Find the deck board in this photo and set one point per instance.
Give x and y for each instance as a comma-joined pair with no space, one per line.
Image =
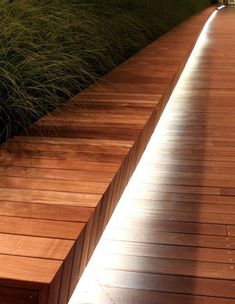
61,178
172,239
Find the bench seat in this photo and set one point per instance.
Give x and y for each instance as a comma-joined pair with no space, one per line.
62,177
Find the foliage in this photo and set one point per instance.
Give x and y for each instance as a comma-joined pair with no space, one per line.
51,50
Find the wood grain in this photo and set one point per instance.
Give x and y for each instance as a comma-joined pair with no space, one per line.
61,178
172,238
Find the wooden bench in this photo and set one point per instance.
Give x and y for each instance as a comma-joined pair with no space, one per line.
61,179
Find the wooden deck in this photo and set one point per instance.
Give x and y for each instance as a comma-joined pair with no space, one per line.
172,239
60,180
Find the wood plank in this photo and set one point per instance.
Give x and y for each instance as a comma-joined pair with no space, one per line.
38,247
152,205
83,156
100,146
40,228
77,266
195,217
172,238
204,190
54,288
24,269
54,206
161,225
164,251
30,162
192,240
166,283
44,211
109,295
71,175
66,277
53,185
167,266
182,197
50,197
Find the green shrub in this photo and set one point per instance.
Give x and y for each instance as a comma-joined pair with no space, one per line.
50,50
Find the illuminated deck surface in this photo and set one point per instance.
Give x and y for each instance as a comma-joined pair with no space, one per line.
172,239
61,180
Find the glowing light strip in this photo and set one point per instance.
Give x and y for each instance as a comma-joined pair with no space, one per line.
88,286
220,7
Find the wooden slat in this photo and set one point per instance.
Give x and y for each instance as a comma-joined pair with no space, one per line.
172,237
161,225
167,283
50,197
38,247
192,240
31,270
61,178
40,228
138,296
167,266
53,185
165,251
44,211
